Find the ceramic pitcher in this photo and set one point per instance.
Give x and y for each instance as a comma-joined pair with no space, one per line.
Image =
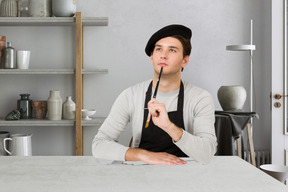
20,145
3,135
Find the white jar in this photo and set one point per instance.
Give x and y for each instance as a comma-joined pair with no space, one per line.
54,106
64,8
39,8
69,108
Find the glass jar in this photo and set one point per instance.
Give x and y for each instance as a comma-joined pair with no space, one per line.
24,105
24,8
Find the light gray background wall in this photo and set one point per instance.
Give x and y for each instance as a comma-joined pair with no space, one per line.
120,48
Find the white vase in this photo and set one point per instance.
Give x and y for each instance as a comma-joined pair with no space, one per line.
69,108
54,106
8,8
231,97
64,8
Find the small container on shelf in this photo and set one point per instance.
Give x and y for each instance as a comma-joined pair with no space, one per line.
39,109
69,108
54,105
24,105
2,47
39,8
23,8
8,8
64,8
9,57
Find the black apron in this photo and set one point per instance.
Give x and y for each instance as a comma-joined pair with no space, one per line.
154,138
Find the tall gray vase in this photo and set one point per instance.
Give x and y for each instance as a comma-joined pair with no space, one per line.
8,8
232,97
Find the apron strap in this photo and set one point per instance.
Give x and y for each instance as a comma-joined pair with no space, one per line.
180,104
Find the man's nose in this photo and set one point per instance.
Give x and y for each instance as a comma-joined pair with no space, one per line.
164,54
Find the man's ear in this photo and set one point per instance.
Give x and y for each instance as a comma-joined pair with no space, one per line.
185,61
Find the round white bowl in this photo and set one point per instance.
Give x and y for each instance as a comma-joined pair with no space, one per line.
86,113
279,172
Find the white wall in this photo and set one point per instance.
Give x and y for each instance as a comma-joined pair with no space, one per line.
120,48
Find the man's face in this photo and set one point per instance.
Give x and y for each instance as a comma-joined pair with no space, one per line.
168,52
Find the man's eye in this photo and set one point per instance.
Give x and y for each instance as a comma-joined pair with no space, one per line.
157,49
172,50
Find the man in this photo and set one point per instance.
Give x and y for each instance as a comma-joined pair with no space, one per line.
182,115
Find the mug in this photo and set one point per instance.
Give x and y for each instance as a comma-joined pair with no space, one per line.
3,135
22,59
20,145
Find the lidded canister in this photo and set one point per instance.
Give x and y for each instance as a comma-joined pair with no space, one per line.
9,57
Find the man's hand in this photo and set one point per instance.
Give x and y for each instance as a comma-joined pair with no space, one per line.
159,114
160,158
161,119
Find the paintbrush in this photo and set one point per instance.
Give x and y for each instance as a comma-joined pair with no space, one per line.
154,96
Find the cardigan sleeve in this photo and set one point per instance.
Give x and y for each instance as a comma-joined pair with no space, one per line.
105,144
199,141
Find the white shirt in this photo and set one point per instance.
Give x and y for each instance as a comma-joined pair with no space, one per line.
198,140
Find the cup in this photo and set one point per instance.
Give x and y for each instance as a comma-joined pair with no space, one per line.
3,135
20,145
23,59
39,109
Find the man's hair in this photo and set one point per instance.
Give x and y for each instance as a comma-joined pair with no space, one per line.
185,43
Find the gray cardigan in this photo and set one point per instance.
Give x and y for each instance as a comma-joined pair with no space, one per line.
198,140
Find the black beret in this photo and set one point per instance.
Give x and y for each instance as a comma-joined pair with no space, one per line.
167,31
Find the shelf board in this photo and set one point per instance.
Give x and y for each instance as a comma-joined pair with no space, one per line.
94,71
52,21
97,121
50,71
240,47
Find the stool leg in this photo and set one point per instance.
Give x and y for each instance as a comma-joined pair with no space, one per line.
239,149
251,145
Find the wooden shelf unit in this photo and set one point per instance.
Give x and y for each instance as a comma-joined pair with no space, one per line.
78,22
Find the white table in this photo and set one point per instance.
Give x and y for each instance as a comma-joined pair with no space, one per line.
81,174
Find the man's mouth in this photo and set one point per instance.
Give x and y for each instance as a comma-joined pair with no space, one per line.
162,64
